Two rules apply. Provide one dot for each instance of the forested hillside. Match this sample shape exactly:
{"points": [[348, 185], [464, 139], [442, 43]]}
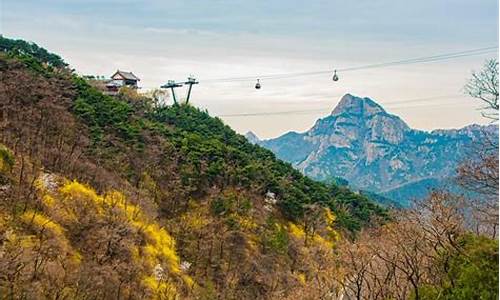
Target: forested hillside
{"points": [[109, 197], [126, 198]]}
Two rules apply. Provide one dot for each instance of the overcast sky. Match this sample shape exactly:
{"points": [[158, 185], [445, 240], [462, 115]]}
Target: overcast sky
{"points": [[161, 40]]}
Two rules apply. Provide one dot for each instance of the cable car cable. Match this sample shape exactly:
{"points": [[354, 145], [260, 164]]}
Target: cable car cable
{"points": [[424, 59], [291, 112]]}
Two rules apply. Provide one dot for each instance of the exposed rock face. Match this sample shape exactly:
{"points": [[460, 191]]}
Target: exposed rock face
{"points": [[252, 137], [375, 150]]}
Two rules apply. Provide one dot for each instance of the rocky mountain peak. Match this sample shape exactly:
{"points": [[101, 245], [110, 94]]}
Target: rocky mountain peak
{"points": [[376, 150], [355, 119], [252, 137], [350, 104]]}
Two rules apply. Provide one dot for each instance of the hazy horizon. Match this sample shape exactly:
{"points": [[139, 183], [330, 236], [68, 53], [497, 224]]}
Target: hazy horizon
{"points": [[161, 40]]}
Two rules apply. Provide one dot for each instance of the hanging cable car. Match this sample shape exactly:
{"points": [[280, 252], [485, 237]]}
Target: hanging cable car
{"points": [[257, 85], [335, 77]]}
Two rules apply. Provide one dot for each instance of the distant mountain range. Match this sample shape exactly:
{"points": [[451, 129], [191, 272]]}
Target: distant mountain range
{"points": [[376, 151]]}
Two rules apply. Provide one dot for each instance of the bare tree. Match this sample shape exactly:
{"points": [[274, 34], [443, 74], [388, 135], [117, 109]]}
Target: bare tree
{"points": [[484, 86], [159, 97], [481, 175]]}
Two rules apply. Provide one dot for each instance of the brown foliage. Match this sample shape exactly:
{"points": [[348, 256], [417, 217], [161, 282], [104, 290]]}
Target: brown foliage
{"points": [[238, 254], [395, 260]]}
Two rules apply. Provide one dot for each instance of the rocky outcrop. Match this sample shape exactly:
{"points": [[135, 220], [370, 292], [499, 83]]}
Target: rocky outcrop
{"points": [[375, 150]]}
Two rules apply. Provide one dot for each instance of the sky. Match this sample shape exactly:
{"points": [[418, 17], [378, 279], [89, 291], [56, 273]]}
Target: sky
{"points": [[162, 40]]}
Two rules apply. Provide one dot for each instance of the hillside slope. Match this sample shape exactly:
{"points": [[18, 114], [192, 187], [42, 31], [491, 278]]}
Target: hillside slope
{"points": [[173, 202]]}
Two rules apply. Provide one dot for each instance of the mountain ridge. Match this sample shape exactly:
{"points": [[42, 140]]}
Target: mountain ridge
{"points": [[373, 149]]}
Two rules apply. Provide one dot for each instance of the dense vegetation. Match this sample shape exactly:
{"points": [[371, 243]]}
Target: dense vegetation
{"points": [[120, 197], [428, 252], [242, 224], [472, 274], [22, 49], [212, 154]]}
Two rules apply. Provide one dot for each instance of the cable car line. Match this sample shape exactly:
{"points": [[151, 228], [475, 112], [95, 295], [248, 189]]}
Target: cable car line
{"points": [[292, 112], [425, 59]]}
